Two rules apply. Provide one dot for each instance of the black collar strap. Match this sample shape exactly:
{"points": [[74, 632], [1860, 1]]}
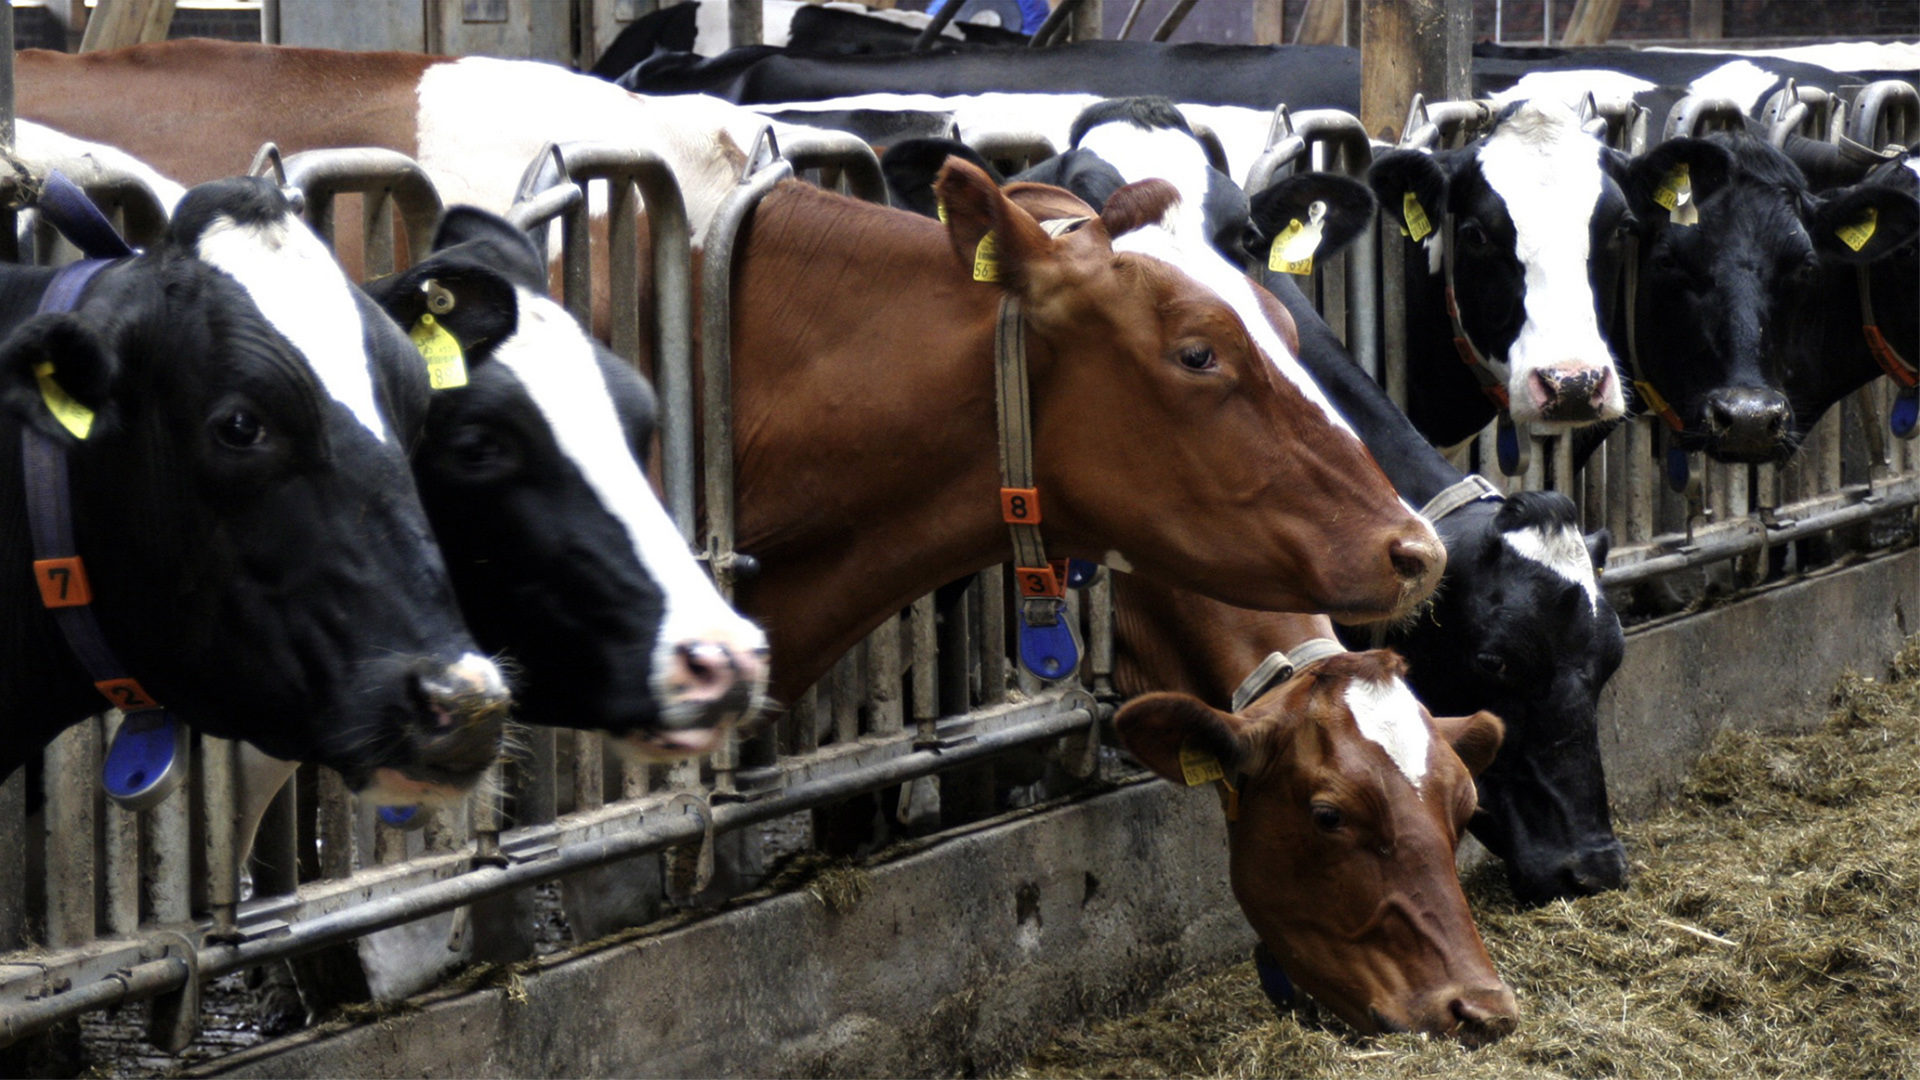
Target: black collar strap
{"points": [[1513, 446], [57, 566], [1470, 488], [1650, 398], [1280, 666], [1047, 647]]}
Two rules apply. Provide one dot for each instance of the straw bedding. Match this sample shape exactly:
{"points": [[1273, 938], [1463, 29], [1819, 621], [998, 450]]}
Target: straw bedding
{"points": [[1771, 928]]}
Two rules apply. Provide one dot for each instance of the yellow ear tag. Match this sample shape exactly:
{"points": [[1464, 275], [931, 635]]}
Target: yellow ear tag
{"points": [[1293, 249], [940, 210], [1417, 224], [1199, 767], [72, 415], [446, 367], [1675, 194], [1857, 234], [986, 260]]}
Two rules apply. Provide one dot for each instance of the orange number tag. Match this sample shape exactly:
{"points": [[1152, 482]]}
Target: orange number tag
{"points": [[1020, 506], [127, 695], [1039, 581], [63, 582]]}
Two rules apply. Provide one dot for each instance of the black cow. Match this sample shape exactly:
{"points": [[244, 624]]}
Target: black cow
{"points": [[533, 472], [257, 554], [1536, 207], [1734, 304]]}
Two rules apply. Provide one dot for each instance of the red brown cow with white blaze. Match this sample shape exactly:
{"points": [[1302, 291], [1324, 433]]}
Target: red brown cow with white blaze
{"points": [[1344, 799]]}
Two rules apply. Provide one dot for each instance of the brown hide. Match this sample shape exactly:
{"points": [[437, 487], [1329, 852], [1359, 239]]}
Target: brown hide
{"points": [[866, 447], [1368, 916]]}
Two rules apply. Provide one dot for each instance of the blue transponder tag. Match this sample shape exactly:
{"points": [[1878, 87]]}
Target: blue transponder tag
{"points": [[402, 817], [1050, 651], [1080, 573], [1677, 471], [1904, 418], [1507, 442], [147, 760], [1273, 982]]}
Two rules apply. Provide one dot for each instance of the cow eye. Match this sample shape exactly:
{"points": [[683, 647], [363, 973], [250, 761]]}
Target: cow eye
{"points": [[1327, 818], [1198, 358], [239, 429], [1471, 235], [479, 453], [1493, 665]]}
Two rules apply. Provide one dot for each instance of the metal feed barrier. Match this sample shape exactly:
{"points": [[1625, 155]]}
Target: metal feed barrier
{"points": [[929, 692]]}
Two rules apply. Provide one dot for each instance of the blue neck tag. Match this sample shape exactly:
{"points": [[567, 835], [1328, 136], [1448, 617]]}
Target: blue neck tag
{"points": [[1904, 417], [402, 817], [147, 760], [1050, 651], [1080, 573], [1507, 442], [1678, 472]]}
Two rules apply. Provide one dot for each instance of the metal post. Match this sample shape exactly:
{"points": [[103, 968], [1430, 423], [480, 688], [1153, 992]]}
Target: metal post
{"points": [[223, 866]]}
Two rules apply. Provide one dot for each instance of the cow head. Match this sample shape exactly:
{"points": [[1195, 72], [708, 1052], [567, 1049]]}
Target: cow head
{"points": [[1350, 801], [1726, 290], [258, 554], [533, 472], [1117, 328], [1535, 207], [1522, 628]]}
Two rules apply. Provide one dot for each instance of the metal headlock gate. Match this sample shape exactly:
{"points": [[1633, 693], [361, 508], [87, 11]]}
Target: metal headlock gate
{"points": [[158, 906]]}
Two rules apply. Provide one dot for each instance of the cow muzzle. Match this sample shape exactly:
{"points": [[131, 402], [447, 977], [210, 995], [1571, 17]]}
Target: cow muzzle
{"points": [[463, 713], [1573, 393], [1746, 424], [709, 684], [1472, 1014]]}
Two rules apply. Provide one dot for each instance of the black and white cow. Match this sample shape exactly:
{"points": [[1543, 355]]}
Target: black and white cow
{"points": [[1520, 626], [534, 475], [1740, 310], [1535, 206], [257, 554]]}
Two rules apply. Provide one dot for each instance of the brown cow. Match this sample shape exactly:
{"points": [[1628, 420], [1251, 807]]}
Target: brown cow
{"points": [[1346, 801], [1165, 441]]}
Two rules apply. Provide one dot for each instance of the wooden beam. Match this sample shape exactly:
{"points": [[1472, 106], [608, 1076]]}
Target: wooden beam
{"points": [[1089, 21], [118, 23], [1323, 23], [1592, 22], [1409, 47], [1707, 20]]}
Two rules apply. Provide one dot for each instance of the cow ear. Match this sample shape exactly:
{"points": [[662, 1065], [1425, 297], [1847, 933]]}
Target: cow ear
{"points": [[1397, 174], [495, 242], [1346, 208], [994, 239], [1476, 739], [1707, 167], [1864, 223], [911, 165], [1178, 736], [475, 303], [1137, 205], [57, 373], [1599, 542], [1091, 178]]}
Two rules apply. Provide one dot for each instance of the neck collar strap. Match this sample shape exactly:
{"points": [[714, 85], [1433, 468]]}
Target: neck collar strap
{"points": [[57, 565], [1471, 488], [1280, 666], [1650, 398], [1513, 446], [1897, 367]]}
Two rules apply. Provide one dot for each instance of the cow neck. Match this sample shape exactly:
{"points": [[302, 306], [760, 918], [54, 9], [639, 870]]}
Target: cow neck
{"points": [[58, 568]]}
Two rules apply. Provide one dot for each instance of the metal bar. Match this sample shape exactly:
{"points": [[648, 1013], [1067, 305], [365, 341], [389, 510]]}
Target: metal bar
{"points": [[223, 865], [1173, 20], [70, 785], [1133, 16], [937, 25], [1054, 24], [120, 857], [819, 149], [885, 711]]}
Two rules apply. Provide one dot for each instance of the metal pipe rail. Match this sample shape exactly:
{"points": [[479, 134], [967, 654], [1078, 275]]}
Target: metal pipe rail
{"points": [[1885, 114], [391, 178], [1074, 712]]}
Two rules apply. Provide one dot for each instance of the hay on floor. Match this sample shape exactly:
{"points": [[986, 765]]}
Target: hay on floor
{"points": [[1772, 927]]}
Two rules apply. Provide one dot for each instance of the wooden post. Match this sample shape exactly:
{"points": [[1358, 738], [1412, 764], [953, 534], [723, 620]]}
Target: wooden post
{"points": [[746, 23], [117, 23], [1408, 47], [1323, 23], [1592, 22], [1706, 20], [1087, 22], [1269, 22]]}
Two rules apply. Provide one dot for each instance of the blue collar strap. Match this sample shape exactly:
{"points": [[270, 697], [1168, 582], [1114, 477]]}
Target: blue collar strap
{"points": [[64, 206]]}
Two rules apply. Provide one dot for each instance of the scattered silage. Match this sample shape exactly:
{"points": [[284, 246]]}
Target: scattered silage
{"points": [[1772, 928]]}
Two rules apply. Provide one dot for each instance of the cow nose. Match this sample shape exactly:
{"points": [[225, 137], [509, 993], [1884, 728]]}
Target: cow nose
{"points": [[1595, 869], [1745, 423], [714, 672], [1483, 1014], [1571, 392], [1418, 559], [466, 710]]}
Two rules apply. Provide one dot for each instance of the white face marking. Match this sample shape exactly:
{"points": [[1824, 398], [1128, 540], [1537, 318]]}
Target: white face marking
{"points": [[555, 362], [1569, 87], [301, 290], [481, 120], [1563, 551], [1181, 238], [1387, 714], [1548, 173]]}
